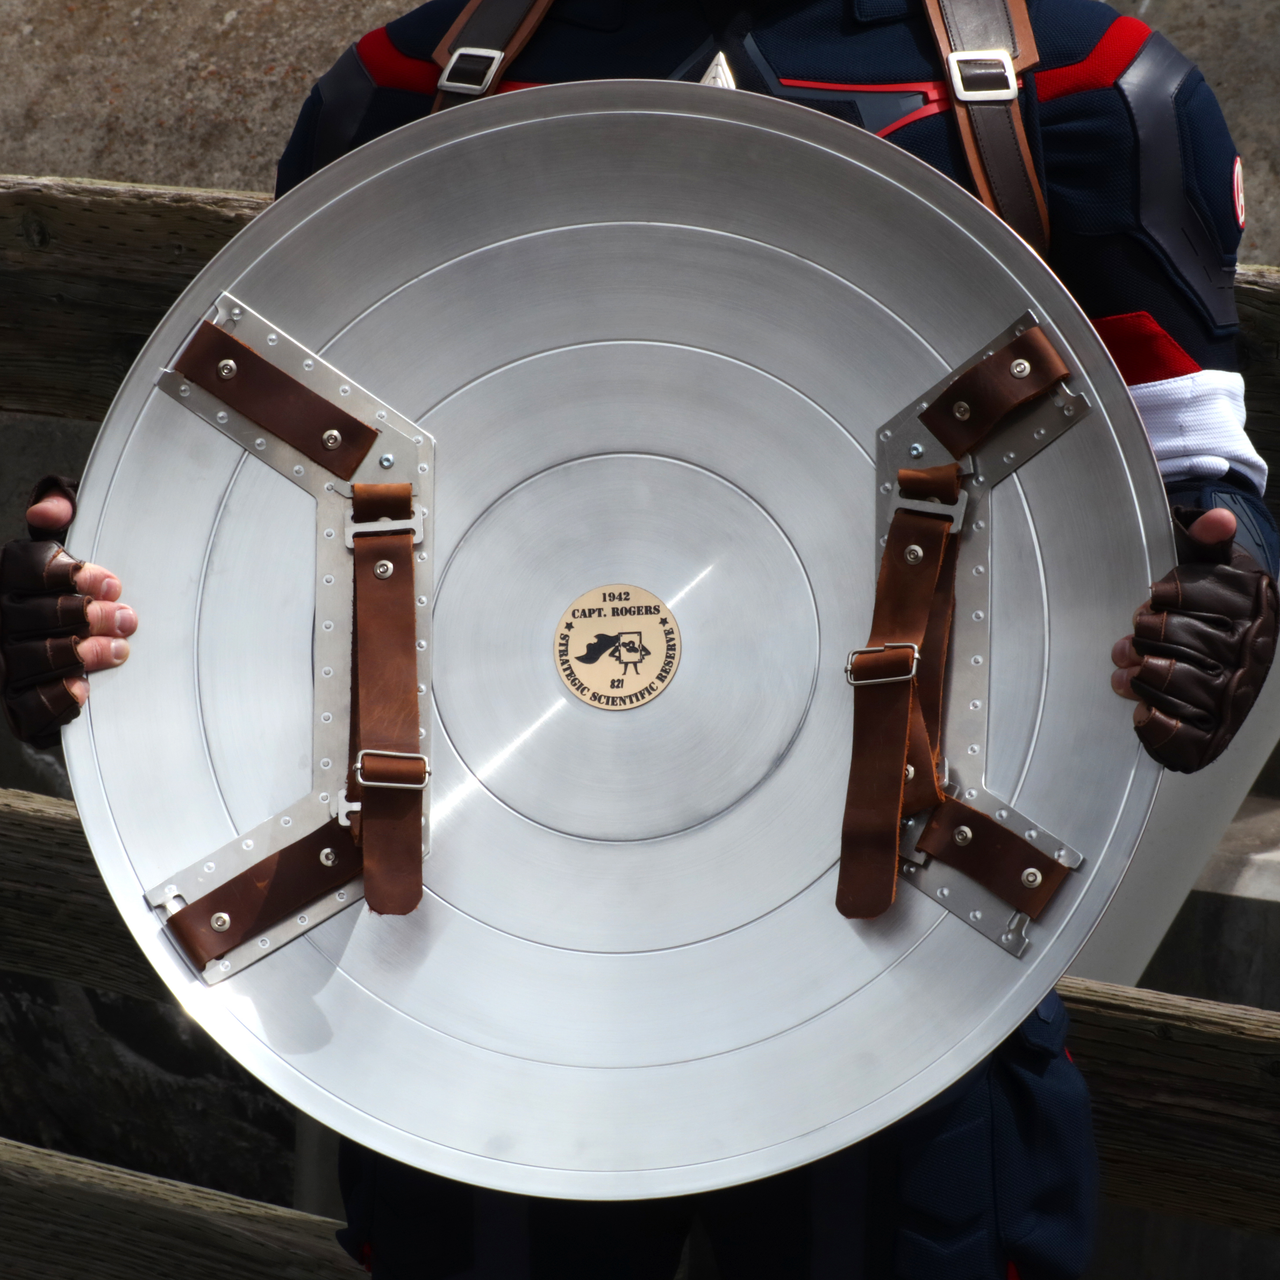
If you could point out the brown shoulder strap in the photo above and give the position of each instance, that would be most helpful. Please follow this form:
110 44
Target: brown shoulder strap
482 43
985 44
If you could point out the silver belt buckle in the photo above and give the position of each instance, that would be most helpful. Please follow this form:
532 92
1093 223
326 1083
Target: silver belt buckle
955 63
470 87
880 648
395 755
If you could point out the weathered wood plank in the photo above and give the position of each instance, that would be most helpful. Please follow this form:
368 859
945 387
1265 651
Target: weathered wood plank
1186 1098
87 270
56 918
63 1218
1186 1092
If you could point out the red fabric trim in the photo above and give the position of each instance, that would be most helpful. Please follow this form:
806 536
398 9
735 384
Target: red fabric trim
1110 58
510 86
932 89
920 113
392 69
1142 350
1013 1273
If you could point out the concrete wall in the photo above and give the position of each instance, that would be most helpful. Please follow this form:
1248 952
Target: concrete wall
204 92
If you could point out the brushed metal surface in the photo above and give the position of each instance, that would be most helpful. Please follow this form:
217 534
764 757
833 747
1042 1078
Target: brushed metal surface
664 363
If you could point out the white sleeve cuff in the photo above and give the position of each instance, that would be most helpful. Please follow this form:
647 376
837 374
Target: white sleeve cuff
1196 426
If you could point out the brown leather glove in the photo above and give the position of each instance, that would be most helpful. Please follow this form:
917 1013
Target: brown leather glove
42 621
1206 639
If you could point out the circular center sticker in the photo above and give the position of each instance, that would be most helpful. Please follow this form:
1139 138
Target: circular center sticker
617 647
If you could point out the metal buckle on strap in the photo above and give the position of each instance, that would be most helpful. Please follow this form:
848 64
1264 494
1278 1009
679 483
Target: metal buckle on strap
352 526
881 648
479 68
1005 86
394 755
954 511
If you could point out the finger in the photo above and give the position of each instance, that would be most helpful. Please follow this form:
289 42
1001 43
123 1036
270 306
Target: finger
1213 527
1122 680
1123 654
93 580
101 653
78 687
109 619
51 512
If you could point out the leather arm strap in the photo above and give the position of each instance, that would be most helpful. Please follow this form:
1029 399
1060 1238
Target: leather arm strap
495 31
992 131
387 771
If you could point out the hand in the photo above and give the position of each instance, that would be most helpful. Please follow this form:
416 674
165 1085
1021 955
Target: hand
109 621
1201 648
59 621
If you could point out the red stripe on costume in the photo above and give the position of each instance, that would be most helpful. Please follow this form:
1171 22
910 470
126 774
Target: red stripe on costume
930 88
1110 58
392 69
1142 350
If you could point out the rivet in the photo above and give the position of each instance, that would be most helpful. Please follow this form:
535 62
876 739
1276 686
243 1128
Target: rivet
220 922
225 966
978 570
960 411
328 579
328 715
422 468
327 625
975 705
246 844
976 660
259 443
1002 814
422 644
913 554
971 794
323 797
1020 368
1069 411
331 439
272 339
237 312
222 417
327 671
978 615
944 892
911 772
975 916
328 857
297 471
286 821
1032 878
916 450
962 835
341 895
422 600
308 365
208 867
329 533
326 763
226 369
1009 457
973 748
264 943
184 390
387 461
422 688
422 555
885 434
1033 835
886 487
383 569
344 391
302 919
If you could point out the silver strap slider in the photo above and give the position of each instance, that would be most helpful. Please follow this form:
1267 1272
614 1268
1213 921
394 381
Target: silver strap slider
982 75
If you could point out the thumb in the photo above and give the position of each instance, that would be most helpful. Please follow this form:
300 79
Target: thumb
1214 526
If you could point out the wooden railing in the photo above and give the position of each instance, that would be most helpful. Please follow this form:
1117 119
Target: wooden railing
1186 1092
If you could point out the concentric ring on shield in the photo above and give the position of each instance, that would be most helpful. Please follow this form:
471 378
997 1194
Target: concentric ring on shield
617 647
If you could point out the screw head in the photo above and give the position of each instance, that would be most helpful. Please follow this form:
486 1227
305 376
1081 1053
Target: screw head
328 857
331 439
387 461
1032 878
226 369
916 450
1020 368
383 569
913 554
220 922
960 410
962 835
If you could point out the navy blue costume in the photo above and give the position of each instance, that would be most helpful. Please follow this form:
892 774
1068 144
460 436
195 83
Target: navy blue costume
997 1177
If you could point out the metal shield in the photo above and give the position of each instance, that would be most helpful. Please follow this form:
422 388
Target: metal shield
662 336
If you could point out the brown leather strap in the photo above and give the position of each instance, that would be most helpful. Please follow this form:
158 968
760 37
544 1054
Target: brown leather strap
997 858
281 885
975 403
993 134
885 677
387 771
235 373
497 25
